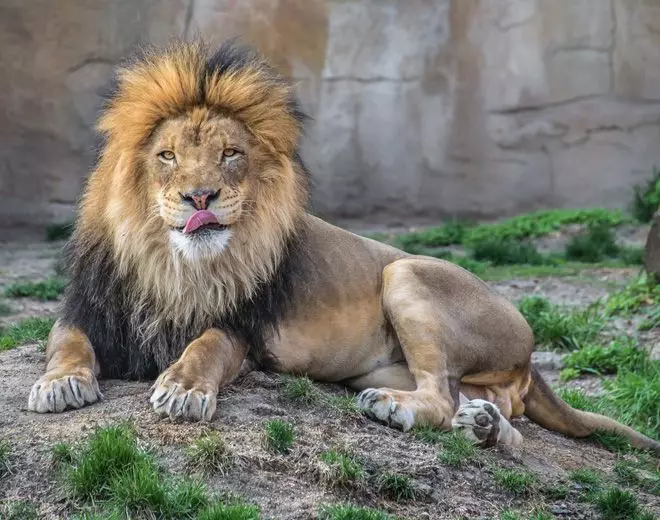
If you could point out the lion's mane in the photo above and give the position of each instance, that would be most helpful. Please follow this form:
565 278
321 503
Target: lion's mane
140 304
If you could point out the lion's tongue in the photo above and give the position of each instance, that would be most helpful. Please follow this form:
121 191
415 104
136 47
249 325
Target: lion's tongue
198 219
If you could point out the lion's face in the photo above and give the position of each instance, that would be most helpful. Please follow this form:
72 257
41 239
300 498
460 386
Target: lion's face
202 171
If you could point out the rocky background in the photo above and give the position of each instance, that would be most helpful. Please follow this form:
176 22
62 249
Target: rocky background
423 108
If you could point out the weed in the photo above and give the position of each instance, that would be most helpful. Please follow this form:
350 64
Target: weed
558 328
617 504
27 330
5 458
279 435
515 481
542 223
612 441
428 434
587 477
341 469
301 390
457 450
59 231
398 487
568 374
18 510
5 308
625 473
62 454
209 453
349 512
594 245
646 199
453 232
345 405
45 290
112 469
631 255
642 292
622 353
238 511
506 252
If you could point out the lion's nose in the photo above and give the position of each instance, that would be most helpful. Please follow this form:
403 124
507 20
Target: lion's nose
200 199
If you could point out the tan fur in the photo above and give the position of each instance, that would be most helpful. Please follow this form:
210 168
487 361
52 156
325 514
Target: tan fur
412 333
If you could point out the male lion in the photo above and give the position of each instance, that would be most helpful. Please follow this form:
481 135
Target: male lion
193 253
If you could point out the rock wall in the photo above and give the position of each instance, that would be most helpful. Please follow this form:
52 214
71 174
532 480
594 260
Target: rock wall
421 107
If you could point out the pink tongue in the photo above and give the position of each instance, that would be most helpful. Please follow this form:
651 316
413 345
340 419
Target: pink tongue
198 219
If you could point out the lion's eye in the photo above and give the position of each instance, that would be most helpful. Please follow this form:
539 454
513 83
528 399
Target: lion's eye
229 152
167 155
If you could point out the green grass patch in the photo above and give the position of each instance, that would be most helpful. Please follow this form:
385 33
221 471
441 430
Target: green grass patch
621 354
341 469
646 198
237 511
60 231
643 293
350 512
45 290
596 244
345 405
587 477
61 454
452 232
515 481
618 504
396 486
455 449
561 329
300 390
18 510
210 454
507 252
5 457
279 435
27 330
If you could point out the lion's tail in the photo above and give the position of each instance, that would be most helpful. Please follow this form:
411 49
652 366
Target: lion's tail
545 408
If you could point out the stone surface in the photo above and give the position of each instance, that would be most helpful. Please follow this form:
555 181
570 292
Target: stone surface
422 108
547 360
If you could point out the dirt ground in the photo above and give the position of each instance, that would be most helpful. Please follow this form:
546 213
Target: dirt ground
288 487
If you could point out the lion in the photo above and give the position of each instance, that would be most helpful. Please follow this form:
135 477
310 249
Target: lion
194 258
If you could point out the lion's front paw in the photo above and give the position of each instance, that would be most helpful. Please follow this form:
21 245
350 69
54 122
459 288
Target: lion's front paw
479 421
384 405
60 389
180 397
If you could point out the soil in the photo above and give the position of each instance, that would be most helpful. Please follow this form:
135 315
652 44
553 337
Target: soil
289 486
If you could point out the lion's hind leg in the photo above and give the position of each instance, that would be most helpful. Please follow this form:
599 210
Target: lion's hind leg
71 369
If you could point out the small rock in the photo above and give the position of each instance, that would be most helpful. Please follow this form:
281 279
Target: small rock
547 360
655 352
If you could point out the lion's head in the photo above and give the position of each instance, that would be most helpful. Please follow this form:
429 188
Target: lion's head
199 187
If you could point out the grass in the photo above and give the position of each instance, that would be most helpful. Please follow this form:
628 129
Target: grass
350 512
509 251
452 232
61 454
112 471
396 486
587 477
18 510
60 231
345 405
341 469
536 514
560 329
279 435
646 198
210 454
642 293
617 504
455 449
596 244
301 390
622 353
46 290
515 481
27 330
5 458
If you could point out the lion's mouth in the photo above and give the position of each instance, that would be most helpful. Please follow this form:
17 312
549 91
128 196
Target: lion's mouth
202 220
